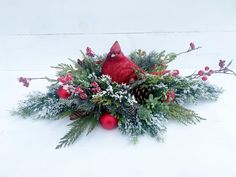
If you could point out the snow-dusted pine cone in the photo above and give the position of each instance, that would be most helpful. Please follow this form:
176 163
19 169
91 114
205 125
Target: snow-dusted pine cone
141 93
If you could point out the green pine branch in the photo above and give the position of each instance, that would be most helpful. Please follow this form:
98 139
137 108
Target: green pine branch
77 128
63 69
153 61
182 114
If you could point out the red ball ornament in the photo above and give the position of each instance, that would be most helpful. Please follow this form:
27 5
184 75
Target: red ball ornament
108 121
62 93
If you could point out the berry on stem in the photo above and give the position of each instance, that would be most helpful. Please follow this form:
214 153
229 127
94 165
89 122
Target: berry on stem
222 63
201 72
78 90
89 52
192 46
211 71
83 96
204 78
69 77
94 84
25 81
96 89
175 73
206 68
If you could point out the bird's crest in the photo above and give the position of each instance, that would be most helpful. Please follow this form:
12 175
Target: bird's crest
115 47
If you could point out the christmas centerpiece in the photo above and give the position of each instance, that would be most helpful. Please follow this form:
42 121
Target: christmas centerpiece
136 94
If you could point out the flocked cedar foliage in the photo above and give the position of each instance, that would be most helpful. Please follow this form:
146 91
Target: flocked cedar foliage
137 115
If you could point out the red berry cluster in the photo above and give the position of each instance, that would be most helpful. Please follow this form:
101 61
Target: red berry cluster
205 73
96 88
78 90
89 52
222 64
25 81
65 79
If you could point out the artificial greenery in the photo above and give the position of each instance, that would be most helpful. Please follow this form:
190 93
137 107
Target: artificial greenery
141 107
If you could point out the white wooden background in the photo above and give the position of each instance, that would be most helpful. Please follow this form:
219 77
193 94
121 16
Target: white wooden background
37 34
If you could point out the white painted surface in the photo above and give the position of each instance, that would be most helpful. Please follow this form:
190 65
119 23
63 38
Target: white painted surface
37 34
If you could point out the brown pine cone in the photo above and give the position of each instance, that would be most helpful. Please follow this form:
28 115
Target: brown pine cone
142 93
76 115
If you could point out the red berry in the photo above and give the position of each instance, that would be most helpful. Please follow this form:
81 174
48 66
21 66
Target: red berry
69 77
26 84
98 89
78 90
211 71
175 73
25 81
89 52
94 84
20 79
83 96
201 72
65 79
207 68
204 78
94 90
222 63
192 46
208 74
62 80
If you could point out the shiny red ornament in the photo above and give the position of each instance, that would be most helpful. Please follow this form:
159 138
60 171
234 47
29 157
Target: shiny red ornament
108 121
62 93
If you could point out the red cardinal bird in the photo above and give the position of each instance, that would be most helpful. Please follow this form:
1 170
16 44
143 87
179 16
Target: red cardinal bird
119 67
